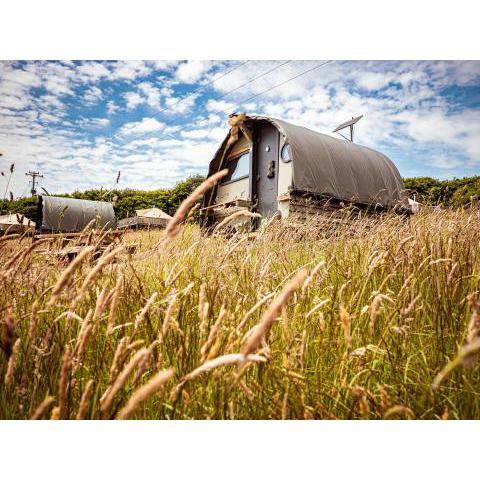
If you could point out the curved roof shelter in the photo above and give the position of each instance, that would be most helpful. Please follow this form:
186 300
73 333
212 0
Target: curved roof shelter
332 167
73 215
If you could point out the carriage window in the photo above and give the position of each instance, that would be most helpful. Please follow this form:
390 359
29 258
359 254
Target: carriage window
285 153
238 167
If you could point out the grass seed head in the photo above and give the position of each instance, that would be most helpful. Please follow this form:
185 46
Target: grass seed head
42 408
145 392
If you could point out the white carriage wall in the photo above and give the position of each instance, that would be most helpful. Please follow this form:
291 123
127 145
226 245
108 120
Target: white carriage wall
285 180
285 172
238 190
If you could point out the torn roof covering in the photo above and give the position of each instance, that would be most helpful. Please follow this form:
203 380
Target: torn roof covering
335 168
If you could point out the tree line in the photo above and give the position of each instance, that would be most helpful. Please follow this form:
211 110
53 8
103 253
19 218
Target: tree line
428 191
125 201
459 192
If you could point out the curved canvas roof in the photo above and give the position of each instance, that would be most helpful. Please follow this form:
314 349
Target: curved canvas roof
336 168
73 215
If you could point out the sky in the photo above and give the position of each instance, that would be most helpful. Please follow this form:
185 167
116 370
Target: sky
157 122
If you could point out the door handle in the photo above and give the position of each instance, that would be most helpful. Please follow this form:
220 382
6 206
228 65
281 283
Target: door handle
271 169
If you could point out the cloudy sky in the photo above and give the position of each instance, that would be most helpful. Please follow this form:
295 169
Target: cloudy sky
79 123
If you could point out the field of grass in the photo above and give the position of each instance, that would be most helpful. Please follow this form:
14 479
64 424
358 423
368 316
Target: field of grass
368 321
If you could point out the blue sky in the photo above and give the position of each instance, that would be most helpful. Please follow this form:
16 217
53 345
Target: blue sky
158 122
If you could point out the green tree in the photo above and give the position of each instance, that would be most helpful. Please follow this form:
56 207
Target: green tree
125 201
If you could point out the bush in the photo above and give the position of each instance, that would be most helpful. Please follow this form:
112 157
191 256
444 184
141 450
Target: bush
429 191
127 200
458 192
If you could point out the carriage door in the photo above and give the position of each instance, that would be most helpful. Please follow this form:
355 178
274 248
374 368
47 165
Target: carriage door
267 169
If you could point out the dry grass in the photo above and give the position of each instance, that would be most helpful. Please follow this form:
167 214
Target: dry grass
371 320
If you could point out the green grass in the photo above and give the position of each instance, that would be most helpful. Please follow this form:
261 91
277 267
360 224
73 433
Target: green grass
417 273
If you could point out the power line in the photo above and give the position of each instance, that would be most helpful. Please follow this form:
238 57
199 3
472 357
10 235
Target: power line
202 87
166 135
181 99
280 84
253 79
260 93
230 91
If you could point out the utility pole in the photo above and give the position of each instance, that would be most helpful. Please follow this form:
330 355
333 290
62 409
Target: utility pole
34 175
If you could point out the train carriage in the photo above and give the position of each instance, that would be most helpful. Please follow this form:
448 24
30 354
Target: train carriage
276 168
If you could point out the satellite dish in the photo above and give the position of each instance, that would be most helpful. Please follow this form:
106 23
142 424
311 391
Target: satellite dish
350 124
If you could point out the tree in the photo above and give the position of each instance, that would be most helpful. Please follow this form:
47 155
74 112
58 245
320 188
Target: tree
127 200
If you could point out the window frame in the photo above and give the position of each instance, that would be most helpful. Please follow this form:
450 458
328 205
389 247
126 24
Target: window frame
286 147
236 156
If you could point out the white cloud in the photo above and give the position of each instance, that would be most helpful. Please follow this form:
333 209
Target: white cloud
146 93
94 122
58 86
56 78
216 134
220 106
163 65
180 105
49 100
133 99
15 85
212 119
112 107
446 162
38 130
20 77
460 130
146 125
49 118
200 133
373 80
130 70
192 70
151 93
14 102
93 71
92 95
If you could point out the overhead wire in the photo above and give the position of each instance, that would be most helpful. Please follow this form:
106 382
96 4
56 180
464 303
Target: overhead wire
263 92
237 88
253 79
279 84
201 87
190 94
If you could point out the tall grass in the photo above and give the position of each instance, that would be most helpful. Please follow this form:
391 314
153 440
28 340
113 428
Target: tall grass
376 319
